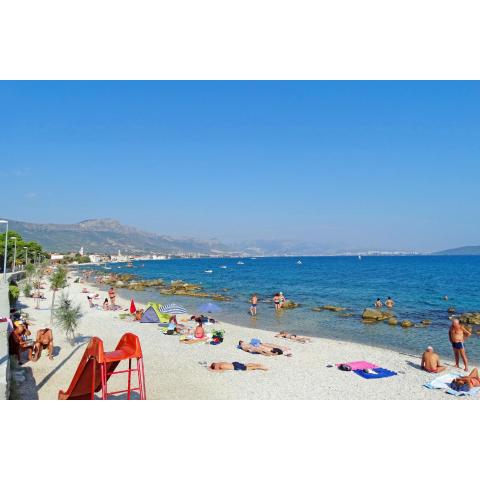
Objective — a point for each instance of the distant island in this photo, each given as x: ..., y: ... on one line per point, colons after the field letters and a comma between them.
x: 470, y: 250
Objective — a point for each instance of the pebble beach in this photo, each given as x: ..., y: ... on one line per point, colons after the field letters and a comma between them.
x: 175, y: 371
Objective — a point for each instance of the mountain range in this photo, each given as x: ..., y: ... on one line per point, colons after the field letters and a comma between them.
x: 108, y: 236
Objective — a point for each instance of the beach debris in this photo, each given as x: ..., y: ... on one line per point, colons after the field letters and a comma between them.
x: 407, y: 324
x: 330, y: 308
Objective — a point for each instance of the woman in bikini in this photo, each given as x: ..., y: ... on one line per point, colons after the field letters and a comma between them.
x: 276, y: 301
x: 471, y: 381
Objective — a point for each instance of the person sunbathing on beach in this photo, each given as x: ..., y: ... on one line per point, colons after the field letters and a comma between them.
x: 277, y: 349
x: 457, y: 338
x: 106, y: 307
x: 44, y: 341
x: 199, y: 335
x: 266, y: 349
x: 293, y: 337
x: 138, y: 315
x: 431, y: 361
x: 221, y: 367
x: 470, y: 381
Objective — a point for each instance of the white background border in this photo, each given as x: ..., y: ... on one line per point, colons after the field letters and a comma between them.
x: 239, y: 40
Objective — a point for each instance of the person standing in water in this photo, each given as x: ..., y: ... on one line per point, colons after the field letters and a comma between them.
x: 253, y: 307
x: 457, y: 338
x: 282, y: 299
x: 378, y: 303
x: 276, y: 301
x: 389, y: 303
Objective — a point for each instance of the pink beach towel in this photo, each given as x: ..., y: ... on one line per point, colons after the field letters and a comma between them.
x: 362, y: 365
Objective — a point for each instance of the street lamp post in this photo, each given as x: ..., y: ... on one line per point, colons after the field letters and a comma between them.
x: 6, y: 251
x: 14, y: 267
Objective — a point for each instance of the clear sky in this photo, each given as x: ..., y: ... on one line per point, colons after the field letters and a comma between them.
x: 391, y: 165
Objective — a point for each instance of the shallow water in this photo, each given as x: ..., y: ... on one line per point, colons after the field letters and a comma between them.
x: 417, y: 284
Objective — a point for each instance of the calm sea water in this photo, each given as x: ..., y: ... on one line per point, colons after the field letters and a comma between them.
x: 417, y: 284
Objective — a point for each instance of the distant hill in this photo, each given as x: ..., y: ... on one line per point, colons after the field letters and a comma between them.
x: 472, y: 250
x: 108, y: 236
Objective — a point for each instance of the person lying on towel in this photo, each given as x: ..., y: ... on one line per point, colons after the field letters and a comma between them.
x: 465, y: 384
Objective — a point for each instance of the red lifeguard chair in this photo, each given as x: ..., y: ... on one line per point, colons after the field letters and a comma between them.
x: 98, y: 366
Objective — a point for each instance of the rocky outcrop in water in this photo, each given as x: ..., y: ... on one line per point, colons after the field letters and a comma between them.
x: 290, y: 304
x: 329, y: 308
x: 470, y: 318
x: 407, y: 324
x: 376, y: 314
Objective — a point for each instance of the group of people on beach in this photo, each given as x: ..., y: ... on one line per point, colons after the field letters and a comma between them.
x: 457, y: 335
x: 279, y: 301
x: 19, y: 341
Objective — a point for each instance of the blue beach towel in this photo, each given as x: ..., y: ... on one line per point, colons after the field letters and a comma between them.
x: 442, y: 382
x: 471, y: 393
x: 379, y: 373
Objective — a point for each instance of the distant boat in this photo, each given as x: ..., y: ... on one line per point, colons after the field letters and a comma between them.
x: 223, y: 266
x: 107, y: 268
x: 359, y: 257
x: 208, y: 271
x: 253, y: 259
x: 299, y: 262
x: 129, y: 265
x: 240, y: 263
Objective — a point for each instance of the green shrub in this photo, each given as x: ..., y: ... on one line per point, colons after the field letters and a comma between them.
x: 13, y: 294
x: 68, y: 316
x: 27, y: 289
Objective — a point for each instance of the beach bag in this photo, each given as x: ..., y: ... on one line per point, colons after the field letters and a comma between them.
x: 345, y: 368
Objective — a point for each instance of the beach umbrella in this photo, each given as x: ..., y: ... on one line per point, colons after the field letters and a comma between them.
x: 209, y: 308
x: 133, y: 308
x: 173, y: 309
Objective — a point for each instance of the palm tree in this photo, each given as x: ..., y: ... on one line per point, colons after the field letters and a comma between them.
x: 68, y: 316
x: 58, y: 280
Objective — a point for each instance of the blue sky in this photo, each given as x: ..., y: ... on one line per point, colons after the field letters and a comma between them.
x: 391, y: 165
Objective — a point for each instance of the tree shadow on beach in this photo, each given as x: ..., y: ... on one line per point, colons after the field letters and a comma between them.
x: 60, y: 365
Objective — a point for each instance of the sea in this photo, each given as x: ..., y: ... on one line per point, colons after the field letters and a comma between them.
x: 417, y: 284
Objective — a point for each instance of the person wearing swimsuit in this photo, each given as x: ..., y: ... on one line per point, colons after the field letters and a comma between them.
x: 221, y: 367
x: 457, y: 335
x: 470, y: 381
x: 276, y: 301
x: 253, y: 308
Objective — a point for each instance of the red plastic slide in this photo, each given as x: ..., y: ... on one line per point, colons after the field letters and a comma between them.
x: 97, y: 366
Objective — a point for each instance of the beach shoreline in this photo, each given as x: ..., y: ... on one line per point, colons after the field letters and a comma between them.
x: 178, y: 372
